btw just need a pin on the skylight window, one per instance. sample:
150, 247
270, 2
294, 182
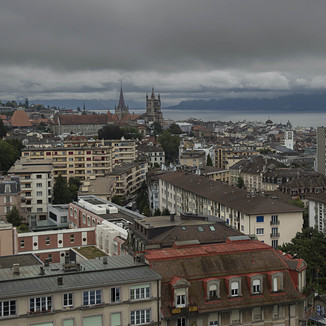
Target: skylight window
212, 228
200, 229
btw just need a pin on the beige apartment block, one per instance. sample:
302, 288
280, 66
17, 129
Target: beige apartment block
107, 291
123, 151
193, 158
224, 153
9, 195
270, 220
36, 179
82, 159
129, 178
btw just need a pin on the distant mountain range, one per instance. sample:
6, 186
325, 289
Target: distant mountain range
291, 103
315, 102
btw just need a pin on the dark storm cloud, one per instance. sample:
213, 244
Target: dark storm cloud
86, 48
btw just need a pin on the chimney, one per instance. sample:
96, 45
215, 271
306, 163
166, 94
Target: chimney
172, 216
16, 269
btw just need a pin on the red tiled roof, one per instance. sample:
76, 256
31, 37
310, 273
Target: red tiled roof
75, 119
20, 119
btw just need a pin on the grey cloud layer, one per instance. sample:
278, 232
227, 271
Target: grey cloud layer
84, 48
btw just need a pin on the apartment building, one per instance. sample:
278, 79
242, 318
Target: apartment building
9, 194
123, 151
108, 291
153, 154
317, 211
36, 179
193, 158
223, 153
80, 161
272, 221
239, 282
129, 178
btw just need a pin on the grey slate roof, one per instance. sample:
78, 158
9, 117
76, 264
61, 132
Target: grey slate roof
93, 274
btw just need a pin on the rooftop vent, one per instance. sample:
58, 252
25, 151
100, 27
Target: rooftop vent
42, 272
16, 269
71, 267
105, 260
60, 280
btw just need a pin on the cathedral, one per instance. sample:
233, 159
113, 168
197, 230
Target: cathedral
153, 109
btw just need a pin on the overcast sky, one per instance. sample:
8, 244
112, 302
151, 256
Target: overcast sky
203, 49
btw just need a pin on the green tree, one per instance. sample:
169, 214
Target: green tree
157, 212
310, 245
142, 201
14, 217
110, 132
17, 144
170, 144
209, 161
131, 133
73, 186
117, 200
157, 128
240, 183
165, 212
61, 193
3, 129
175, 129
8, 155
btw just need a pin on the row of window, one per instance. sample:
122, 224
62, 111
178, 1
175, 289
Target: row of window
47, 241
91, 297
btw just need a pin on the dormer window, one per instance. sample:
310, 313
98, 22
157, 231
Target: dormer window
180, 288
213, 290
277, 282
7, 188
256, 284
234, 289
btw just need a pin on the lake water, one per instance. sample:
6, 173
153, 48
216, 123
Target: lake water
297, 119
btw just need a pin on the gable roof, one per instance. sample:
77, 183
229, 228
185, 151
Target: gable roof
227, 195
20, 119
76, 119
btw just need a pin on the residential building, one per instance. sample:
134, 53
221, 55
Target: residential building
317, 211
123, 151
166, 231
193, 158
321, 154
103, 187
9, 194
239, 282
108, 291
223, 153
128, 178
76, 159
272, 221
288, 139
153, 154
36, 179
20, 120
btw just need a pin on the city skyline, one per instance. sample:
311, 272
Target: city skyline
186, 50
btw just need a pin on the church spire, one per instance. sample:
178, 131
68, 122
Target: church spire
121, 99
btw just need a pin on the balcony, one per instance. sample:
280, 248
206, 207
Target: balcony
275, 222
184, 310
275, 235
